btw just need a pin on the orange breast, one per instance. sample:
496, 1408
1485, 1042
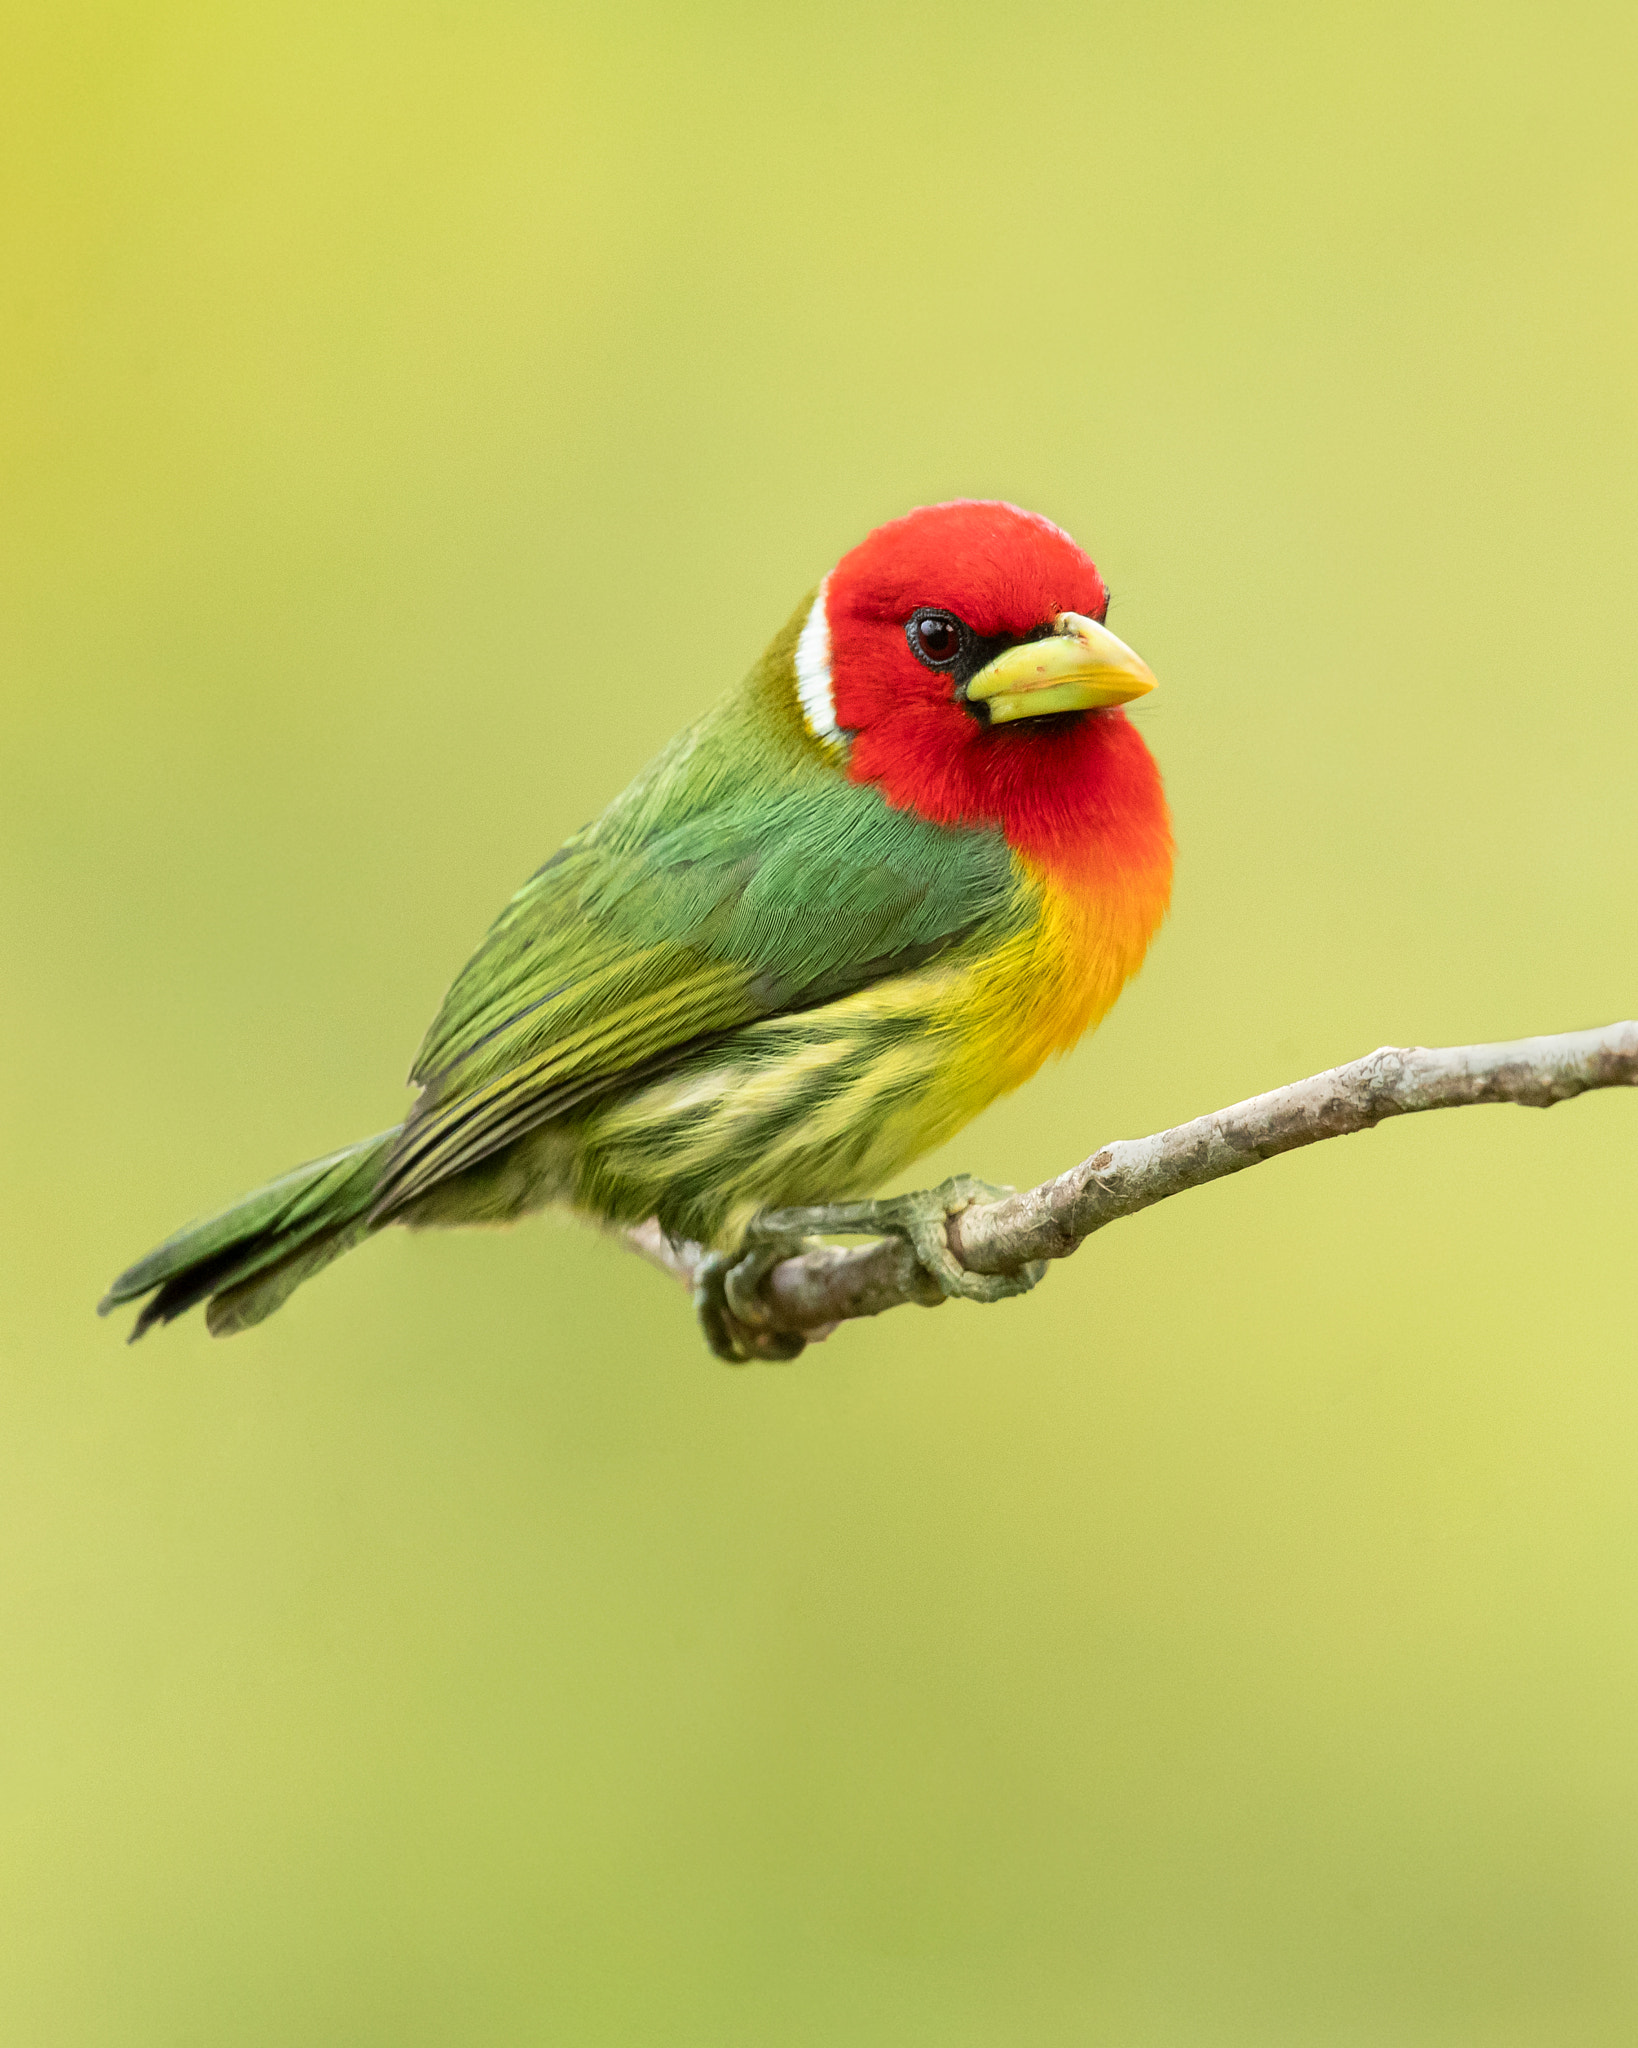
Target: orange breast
1045, 987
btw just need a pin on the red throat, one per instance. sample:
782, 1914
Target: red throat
1084, 801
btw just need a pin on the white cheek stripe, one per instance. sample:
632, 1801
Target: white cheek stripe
813, 673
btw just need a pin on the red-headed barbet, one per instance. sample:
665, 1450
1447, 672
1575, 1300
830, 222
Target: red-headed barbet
918, 849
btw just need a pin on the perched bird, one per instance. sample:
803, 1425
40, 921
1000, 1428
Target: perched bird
917, 850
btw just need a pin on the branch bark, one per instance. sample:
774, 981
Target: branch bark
809, 1295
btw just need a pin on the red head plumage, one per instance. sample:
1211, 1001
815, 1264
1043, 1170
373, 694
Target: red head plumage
1079, 794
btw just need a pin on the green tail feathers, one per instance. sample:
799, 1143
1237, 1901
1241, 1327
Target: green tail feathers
251, 1258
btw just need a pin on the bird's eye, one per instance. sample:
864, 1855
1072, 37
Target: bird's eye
936, 638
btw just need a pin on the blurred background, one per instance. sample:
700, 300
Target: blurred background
1234, 1643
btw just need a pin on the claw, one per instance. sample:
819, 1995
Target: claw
923, 1220
727, 1299
727, 1289
925, 1217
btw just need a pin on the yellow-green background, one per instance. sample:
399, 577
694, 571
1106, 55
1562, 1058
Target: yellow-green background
411, 415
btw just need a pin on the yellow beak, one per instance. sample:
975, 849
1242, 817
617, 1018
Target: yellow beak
1082, 667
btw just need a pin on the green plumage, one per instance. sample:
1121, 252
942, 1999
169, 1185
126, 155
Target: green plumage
250, 1258
656, 1023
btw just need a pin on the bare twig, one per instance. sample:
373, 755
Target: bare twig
811, 1294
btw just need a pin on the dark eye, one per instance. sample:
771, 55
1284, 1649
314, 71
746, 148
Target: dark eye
936, 638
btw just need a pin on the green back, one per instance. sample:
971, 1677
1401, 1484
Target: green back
741, 876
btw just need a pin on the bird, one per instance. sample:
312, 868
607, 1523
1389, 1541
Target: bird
917, 851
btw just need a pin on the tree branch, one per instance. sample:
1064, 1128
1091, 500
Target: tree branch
810, 1294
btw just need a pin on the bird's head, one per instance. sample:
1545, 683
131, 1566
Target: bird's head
958, 659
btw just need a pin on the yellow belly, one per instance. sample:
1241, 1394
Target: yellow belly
1046, 987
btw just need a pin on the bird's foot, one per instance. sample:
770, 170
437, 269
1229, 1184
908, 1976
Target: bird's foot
728, 1286
923, 1220
728, 1296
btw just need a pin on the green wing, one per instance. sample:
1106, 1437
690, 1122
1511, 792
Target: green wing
648, 937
